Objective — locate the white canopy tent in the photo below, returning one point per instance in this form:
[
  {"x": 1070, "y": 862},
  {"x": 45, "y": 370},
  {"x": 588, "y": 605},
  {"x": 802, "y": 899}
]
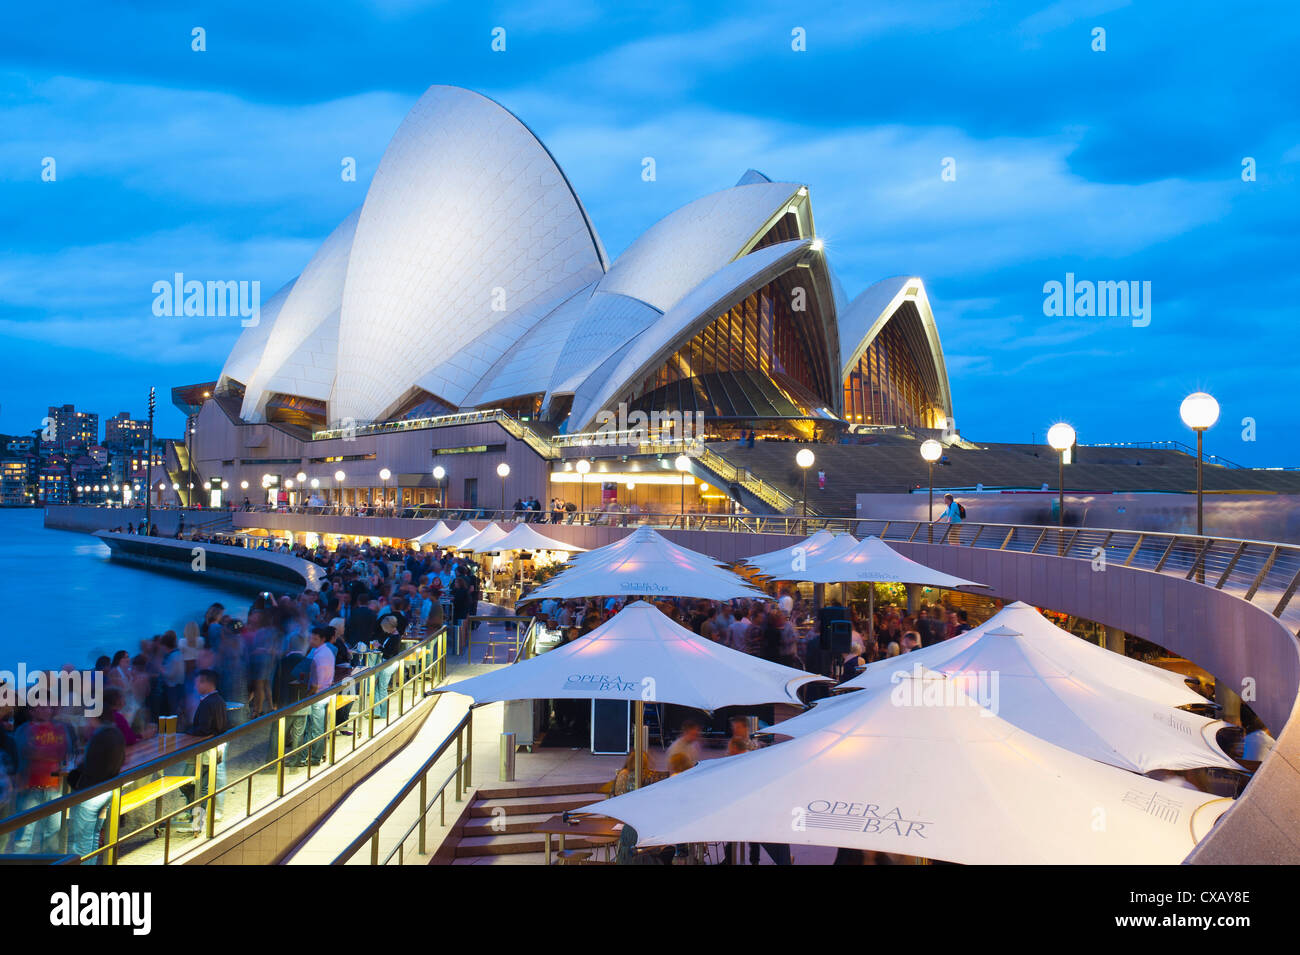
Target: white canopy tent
[
  {"x": 642, "y": 656},
  {"x": 484, "y": 540},
  {"x": 646, "y": 564},
  {"x": 523, "y": 537},
  {"x": 1006, "y": 672},
  {"x": 941, "y": 780},
  {"x": 465, "y": 531},
  {"x": 1085, "y": 662},
  {"x": 436, "y": 534}
]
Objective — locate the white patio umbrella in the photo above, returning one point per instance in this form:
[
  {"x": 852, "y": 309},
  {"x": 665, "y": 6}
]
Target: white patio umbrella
[
  {"x": 1008, "y": 674},
  {"x": 642, "y": 656},
  {"x": 434, "y": 535},
  {"x": 483, "y": 541},
  {"x": 872, "y": 560},
  {"x": 523, "y": 537},
  {"x": 942, "y": 780},
  {"x": 790, "y": 563},
  {"x": 463, "y": 532},
  {"x": 647, "y": 564},
  {"x": 1086, "y": 662}
]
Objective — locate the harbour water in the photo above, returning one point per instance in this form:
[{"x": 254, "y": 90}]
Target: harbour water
[{"x": 64, "y": 601}]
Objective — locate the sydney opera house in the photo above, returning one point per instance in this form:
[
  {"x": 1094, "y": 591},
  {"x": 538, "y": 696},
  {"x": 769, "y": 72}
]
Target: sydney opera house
[{"x": 471, "y": 278}]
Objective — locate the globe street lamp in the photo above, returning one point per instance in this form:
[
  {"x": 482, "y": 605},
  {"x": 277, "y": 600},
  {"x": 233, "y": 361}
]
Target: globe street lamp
[
  {"x": 1199, "y": 412},
  {"x": 683, "y": 464},
  {"x": 931, "y": 451},
  {"x": 805, "y": 460},
  {"x": 1061, "y": 437},
  {"x": 503, "y": 471},
  {"x": 439, "y": 473},
  {"x": 338, "y": 485},
  {"x": 384, "y": 475},
  {"x": 583, "y": 466}
]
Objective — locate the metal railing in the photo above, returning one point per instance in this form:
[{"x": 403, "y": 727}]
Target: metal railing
[
  {"x": 458, "y": 776},
  {"x": 287, "y": 736},
  {"x": 1263, "y": 573}
]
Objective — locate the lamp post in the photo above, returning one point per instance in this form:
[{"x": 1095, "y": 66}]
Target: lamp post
[
  {"x": 805, "y": 460},
  {"x": 1199, "y": 412},
  {"x": 338, "y": 485},
  {"x": 148, "y": 460},
  {"x": 1061, "y": 437},
  {"x": 582, "y": 467},
  {"x": 384, "y": 475},
  {"x": 931, "y": 451},
  {"x": 439, "y": 473},
  {"x": 503, "y": 472},
  {"x": 683, "y": 464}
]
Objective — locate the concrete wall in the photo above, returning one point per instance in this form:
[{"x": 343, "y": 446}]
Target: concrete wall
[
  {"x": 409, "y": 455},
  {"x": 1272, "y": 517},
  {"x": 87, "y": 520}
]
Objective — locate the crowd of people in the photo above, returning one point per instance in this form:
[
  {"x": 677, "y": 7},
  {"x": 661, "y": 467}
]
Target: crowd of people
[{"x": 226, "y": 668}]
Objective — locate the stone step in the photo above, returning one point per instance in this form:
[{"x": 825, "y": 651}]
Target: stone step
[
  {"x": 536, "y": 789},
  {"x": 524, "y": 805},
  {"x": 511, "y": 823},
  {"x": 514, "y": 843}
]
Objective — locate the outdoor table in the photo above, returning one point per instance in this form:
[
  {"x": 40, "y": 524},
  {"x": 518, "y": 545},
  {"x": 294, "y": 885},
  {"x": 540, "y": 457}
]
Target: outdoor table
[
  {"x": 137, "y": 754},
  {"x": 598, "y": 828}
]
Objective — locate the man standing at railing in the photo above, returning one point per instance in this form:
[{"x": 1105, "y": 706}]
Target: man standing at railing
[
  {"x": 210, "y": 719},
  {"x": 105, "y": 754},
  {"x": 322, "y": 678}
]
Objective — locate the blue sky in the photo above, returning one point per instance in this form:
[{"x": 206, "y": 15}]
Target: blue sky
[{"x": 1117, "y": 165}]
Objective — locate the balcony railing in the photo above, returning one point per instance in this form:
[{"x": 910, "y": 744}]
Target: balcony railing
[{"x": 261, "y": 755}]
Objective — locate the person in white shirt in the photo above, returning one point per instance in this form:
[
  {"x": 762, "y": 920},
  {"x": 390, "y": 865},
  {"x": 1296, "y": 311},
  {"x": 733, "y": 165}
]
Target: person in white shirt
[
  {"x": 786, "y": 603},
  {"x": 322, "y": 677}
]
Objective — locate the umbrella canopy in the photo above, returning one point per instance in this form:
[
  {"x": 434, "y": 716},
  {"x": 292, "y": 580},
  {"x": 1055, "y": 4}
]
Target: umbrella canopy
[
  {"x": 462, "y": 533},
  {"x": 1086, "y": 663},
  {"x": 640, "y": 654},
  {"x": 1006, "y": 673},
  {"x": 484, "y": 540},
  {"x": 942, "y": 780},
  {"x": 789, "y": 562},
  {"x": 523, "y": 537},
  {"x": 872, "y": 560},
  {"x": 645, "y": 563},
  {"x": 434, "y": 535}
]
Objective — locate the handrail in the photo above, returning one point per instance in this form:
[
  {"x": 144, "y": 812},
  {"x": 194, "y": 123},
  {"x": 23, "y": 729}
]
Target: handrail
[
  {"x": 429, "y": 653},
  {"x": 459, "y": 773},
  {"x": 524, "y": 650}
]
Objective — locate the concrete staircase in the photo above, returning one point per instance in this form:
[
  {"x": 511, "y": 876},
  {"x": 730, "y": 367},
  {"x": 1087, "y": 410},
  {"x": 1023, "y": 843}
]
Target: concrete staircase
[{"x": 499, "y": 830}]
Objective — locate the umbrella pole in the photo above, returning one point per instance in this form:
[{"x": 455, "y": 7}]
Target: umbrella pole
[
  {"x": 871, "y": 613},
  {"x": 638, "y": 754}
]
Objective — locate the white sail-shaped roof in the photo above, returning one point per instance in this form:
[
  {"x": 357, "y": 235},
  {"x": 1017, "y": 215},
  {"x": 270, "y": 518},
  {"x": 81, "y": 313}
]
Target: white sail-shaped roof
[
  {"x": 699, "y": 307},
  {"x": 296, "y": 360},
  {"x": 684, "y": 248},
  {"x": 467, "y": 221},
  {"x": 243, "y": 358}
]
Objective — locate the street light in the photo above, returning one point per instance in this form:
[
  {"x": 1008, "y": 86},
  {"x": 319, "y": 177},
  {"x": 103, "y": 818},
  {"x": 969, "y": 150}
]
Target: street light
[
  {"x": 931, "y": 451},
  {"x": 1061, "y": 437},
  {"x": 583, "y": 466},
  {"x": 805, "y": 460},
  {"x": 338, "y": 485},
  {"x": 503, "y": 471},
  {"x": 1199, "y": 412},
  {"x": 384, "y": 475},
  {"x": 683, "y": 464},
  {"x": 439, "y": 473}
]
